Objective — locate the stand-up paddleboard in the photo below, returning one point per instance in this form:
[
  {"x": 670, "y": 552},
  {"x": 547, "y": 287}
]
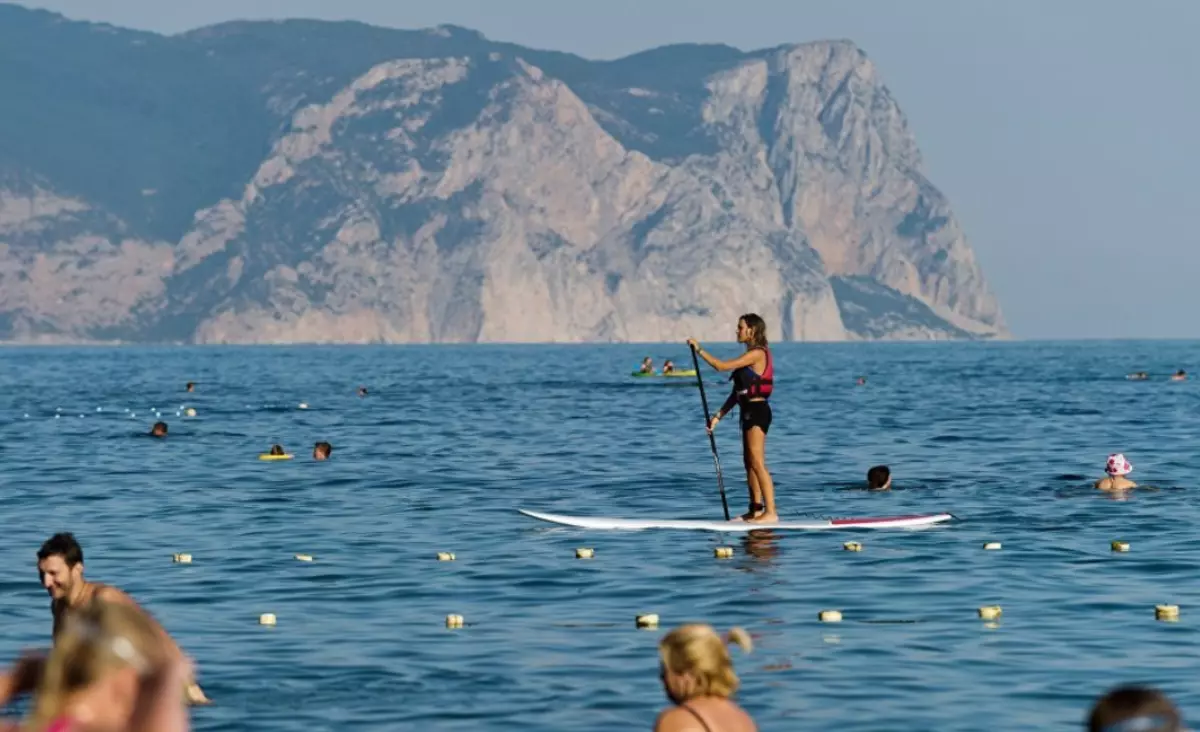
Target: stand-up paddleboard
[{"x": 622, "y": 524}]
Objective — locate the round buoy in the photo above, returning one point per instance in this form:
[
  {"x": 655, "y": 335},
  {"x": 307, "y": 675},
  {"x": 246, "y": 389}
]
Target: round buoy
[
  {"x": 182, "y": 558},
  {"x": 647, "y": 621},
  {"x": 304, "y": 558},
  {"x": 454, "y": 621},
  {"x": 723, "y": 552},
  {"x": 584, "y": 553},
  {"x": 445, "y": 556},
  {"x": 830, "y": 616},
  {"x": 992, "y": 546},
  {"x": 852, "y": 546},
  {"x": 990, "y": 612},
  {"x": 266, "y": 619},
  {"x": 1120, "y": 546}
]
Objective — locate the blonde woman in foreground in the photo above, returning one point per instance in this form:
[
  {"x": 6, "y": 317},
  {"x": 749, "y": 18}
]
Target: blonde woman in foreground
[
  {"x": 108, "y": 673},
  {"x": 697, "y": 675}
]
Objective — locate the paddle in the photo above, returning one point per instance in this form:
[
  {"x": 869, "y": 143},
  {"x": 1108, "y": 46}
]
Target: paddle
[{"x": 712, "y": 441}]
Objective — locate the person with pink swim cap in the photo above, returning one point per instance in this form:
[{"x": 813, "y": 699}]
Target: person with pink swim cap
[{"x": 1117, "y": 468}]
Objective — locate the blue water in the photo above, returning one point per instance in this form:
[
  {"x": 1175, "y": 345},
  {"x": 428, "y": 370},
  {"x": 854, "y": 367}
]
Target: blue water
[{"x": 451, "y": 440}]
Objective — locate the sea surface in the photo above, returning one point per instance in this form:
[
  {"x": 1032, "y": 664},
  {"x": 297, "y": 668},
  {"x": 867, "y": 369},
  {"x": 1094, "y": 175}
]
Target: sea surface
[{"x": 451, "y": 440}]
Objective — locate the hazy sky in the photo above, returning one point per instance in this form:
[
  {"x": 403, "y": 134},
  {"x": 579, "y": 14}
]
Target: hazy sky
[{"x": 1063, "y": 131}]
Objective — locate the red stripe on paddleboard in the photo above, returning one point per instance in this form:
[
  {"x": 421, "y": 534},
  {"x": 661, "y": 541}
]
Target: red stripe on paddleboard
[{"x": 884, "y": 519}]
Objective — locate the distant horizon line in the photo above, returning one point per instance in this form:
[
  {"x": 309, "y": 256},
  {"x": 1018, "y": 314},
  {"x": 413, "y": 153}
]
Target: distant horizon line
[{"x": 310, "y": 344}]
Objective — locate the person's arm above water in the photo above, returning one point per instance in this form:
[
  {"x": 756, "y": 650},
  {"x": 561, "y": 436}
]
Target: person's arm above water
[
  {"x": 748, "y": 358},
  {"x": 195, "y": 694}
]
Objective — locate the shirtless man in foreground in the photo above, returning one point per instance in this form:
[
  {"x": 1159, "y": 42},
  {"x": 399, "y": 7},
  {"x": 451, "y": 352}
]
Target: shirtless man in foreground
[{"x": 60, "y": 565}]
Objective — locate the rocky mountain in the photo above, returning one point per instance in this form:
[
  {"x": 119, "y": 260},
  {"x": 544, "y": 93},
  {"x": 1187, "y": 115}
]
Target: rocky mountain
[{"x": 304, "y": 181}]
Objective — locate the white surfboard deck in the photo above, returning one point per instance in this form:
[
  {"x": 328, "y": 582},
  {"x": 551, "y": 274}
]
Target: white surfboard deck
[{"x": 623, "y": 524}]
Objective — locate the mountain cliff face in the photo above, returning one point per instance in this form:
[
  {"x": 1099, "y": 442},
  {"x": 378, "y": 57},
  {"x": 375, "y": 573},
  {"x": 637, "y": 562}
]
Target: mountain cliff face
[{"x": 231, "y": 185}]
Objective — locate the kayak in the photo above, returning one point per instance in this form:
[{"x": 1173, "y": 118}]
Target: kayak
[{"x": 690, "y": 373}]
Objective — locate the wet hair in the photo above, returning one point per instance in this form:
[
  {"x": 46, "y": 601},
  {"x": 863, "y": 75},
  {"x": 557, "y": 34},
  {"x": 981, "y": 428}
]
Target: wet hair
[
  {"x": 97, "y": 639},
  {"x": 191, "y": 385},
  {"x": 758, "y": 329},
  {"x": 163, "y": 425},
  {"x": 877, "y": 477},
  {"x": 324, "y": 447},
  {"x": 696, "y": 649},
  {"x": 277, "y": 450},
  {"x": 63, "y": 545},
  {"x": 1134, "y": 708}
]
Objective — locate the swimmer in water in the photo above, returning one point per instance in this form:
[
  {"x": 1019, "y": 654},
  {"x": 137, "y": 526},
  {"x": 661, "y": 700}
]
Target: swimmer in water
[
  {"x": 647, "y": 366},
  {"x": 362, "y": 391},
  {"x": 191, "y": 386},
  {"x": 322, "y": 450},
  {"x": 753, "y": 381},
  {"x": 1116, "y": 468},
  {"x": 60, "y": 566},
  {"x": 277, "y": 450},
  {"x": 697, "y": 675},
  {"x": 1128, "y": 708},
  {"x": 879, "y": 478},
  {"x": 159, "y": 429},
  {"x": 1179, "y": 375}
]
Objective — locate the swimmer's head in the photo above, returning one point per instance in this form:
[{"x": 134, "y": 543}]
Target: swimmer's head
[
  {"x": 277, "y": 450},
  {"x": 60, "y": 565},
  {"x": 1117, "y": 465},
  {"x": 191, "y": 386},
  {"x": 101, "y": 659},
  {"x": 1134, "y": 709},
  {"x": 694, "y": 661},
  {"x": 879, "y": 478},
  {"x": 322, "y": 450},
  {"x": 159, "y": 429},
  {"x": 362, "y": 391}
]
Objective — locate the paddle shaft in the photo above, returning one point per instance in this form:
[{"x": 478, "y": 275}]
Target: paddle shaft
[{"x": 712, "y": 441}]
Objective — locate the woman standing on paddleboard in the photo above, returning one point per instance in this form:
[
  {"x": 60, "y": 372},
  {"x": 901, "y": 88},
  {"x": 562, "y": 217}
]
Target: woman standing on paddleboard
[{"x": 753, "y": 378}]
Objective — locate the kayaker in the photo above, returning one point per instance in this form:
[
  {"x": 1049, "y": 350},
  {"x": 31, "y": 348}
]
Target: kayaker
[
  {"x": 647, "y": 366},
  {"x": 753, "y": 380},
  {"x": 668, "y": 366}
]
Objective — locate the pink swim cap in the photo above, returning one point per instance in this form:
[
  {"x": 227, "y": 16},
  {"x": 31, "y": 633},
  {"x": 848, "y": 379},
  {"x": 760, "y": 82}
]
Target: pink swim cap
[{"x": 1118, "y": 465}]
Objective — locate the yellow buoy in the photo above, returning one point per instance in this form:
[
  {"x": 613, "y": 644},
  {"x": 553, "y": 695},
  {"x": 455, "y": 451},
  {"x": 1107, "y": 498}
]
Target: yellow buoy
[
  {"x": 647, "y": 621},
  {"x": 990, "y": 612},
  {"x": 182, "y": 558},
  {"x": 266, "y": 619},
  {"x": 266, "y": 456},
  {"x": 992, "y": 545},
  {"x": 190, "y": 412},
  {"x": 1120, "y": 546},
  {"x": 445, "y": 556},
  {"x": 1166, "y": 612},
  {"x": 852, "y": 546},
  {"x": 454, "y": 621},
  {"x": 830, "y": 616},
  {"x": 584, "y": 553},
  {"x": 723, "y": 552},
  {"x": 304, "y": 558}
]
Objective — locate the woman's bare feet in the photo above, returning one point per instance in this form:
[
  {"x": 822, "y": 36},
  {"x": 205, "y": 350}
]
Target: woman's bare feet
[{"x": 765, "y": 518}]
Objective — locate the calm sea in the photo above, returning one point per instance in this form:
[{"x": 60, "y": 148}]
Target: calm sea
[{"x": 451, "y": 440}]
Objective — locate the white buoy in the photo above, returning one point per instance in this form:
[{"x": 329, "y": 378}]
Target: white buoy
[
  {"x": 266, "y": 619},
  {"x": 647, "y": 621}
]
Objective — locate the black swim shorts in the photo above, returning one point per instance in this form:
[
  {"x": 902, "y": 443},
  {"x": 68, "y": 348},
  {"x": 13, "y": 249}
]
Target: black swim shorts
[{"x": 756, "y": 414}]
